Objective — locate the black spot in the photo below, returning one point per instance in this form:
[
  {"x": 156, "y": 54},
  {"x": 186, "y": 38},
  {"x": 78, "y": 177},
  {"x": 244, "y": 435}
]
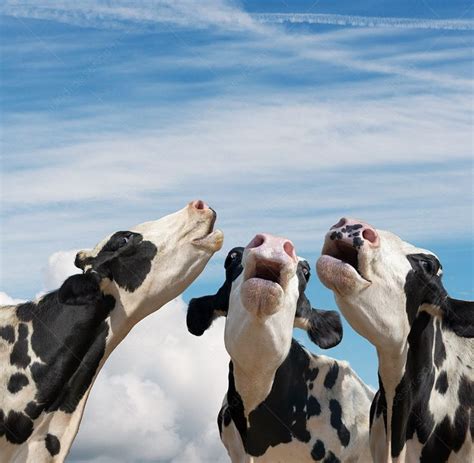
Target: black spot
[
  {"x": 313, "y": 407},
  {"x": 331, "y": 376},
  {"x": 379, "y": 405},
  {"x": 357, "y": 242},
  {"x": 351, "y": 228},
  {"x": 52, "y": 444},
  {"x": 336, "y": 235},
  {"x": 336, "y": 422},
  {"x": 312, "y": 374},
  {"x": 441, "y": 384},
  {"x": 69, "y": 340},
  {"x": 17, "y": 382},
  {"x": 318, "y": 451},
  {"x": 126, "y": 258},
  {"x": 19, "y": 355},
  {"x": 16, "y": 427},
  {"x": 33, "y": 409},
  {"x": 8, "y": 333},
  {"x": 331, "y": 458}
]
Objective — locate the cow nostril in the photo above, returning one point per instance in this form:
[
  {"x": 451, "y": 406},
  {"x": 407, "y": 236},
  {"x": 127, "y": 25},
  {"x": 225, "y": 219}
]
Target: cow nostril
[
  {"x": 341, "y": 223},
  {"x": 256, "y": 242},
  {"x": 198, "y": 204},
  {"x": 370, "y": 235},
  {"x": 289, "y": 248}
]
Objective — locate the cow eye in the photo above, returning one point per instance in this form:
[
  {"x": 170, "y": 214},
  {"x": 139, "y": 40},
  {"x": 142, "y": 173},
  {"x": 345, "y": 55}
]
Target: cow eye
[
  {"x": 233, "y": 255},
  {"x": 428, "y": 266},
  {"x": 124, "y": 240}
]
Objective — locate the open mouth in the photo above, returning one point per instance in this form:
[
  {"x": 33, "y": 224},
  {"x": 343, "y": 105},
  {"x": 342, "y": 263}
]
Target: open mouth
[
  {"x": 213, "y": 239},
  {"x": 268, "y": 270},
  {"x": 345, "y": 253}
]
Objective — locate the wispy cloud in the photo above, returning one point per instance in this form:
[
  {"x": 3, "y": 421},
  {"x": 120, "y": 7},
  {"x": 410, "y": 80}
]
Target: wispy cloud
[
  {"x": 122, "y": 14},
  {"x": 365, "y": 21}
]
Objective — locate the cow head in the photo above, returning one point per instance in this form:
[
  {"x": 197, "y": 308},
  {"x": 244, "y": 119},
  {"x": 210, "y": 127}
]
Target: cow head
[
  {"x": 264, "y": 289},
  {"x": 381, "y": 283},
  {"x": 150, "y": 264}
]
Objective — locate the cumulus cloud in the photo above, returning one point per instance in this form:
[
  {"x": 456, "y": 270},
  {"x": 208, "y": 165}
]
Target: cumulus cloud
[
  {"x": 5, "y": 299},
  {"x": 158, "y": 395},
  {"x": 60, "y": 265}
]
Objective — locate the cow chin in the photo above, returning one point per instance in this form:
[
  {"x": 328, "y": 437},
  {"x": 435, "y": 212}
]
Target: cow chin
[
  {"x": 261, "y": 297},
  {"x": 339, "y": 276}
]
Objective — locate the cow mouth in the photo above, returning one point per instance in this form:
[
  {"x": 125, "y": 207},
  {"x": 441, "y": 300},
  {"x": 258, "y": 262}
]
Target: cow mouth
[
  {"x": 344, "y": 257},
  {"x": 213, "y": 239},
  {"x": 262, "y": 289},
  {"x": 346, "y": 254},
  {"x": 269, "y": 271}
]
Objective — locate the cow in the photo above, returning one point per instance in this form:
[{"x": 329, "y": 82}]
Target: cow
[
  {"x": 392, "y": 294},
  {"x": 283, "y": 403},
  {"x": 52, "y": 349}
]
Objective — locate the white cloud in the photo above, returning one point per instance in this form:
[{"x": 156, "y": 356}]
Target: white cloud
[
  {"x": 365, "y": 21},
  {"x": 122, "y": 14},
  {"x": 158, "y": 395},
  {"x": 5, "y": 299},
  {"x": 60, "y": 266}
]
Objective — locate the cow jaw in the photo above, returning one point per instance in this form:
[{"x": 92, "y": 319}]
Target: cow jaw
[
  {"x": 265, "y": 281},
  {"x": 369, "y": 286},
  {"x": 170, "y": 253}
]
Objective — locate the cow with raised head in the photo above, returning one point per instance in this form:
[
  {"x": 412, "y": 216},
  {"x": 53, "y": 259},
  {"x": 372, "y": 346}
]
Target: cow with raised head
[
  {"x": 283, "y": 403},
  {"x": 52, "y": 349},
  {"x": 392, "y": 294}
]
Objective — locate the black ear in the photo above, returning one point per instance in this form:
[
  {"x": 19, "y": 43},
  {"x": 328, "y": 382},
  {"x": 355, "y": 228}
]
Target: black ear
[
  {"x": 80, "y": 289},
  {"x": 202, "y": 311},
  {"x": 459, "y": 316},
  {"x": 324, "y": 327}
]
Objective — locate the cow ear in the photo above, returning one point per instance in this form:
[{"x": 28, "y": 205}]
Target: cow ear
[
  {"x": 202, "y": 311},
  {"x": 459, "y": 316},
  {"x": 324, "y": 327},
  {"x": 83, "y": 289},
  {"x": 82, "y": 259},
  {"x": 201, "y": 314}
]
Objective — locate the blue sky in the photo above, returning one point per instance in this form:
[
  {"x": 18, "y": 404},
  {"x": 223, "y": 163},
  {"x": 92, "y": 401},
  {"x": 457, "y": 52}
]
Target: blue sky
[{"x": 113, "y": 115}]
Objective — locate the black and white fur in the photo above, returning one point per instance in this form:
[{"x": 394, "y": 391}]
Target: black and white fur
[
  {"x": 283, "y": 403},
  {"x": 391, "y": 292},
  {"x": 52, "y": 349}
]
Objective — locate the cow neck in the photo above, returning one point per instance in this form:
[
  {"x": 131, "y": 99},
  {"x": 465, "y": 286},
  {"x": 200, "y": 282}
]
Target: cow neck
[
  {"x": 126, "y": 314},
  {"x": 406, "y": 374},
  {"x": 391, "y": 369},
  {"x": 258, "y": 353}
]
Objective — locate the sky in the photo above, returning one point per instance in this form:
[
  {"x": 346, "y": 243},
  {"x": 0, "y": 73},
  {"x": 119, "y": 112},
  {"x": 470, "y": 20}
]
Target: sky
[{"x": 283, "y": 116}]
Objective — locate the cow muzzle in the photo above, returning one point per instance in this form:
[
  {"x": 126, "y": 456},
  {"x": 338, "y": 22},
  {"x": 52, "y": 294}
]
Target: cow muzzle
[
  {"x": 344, "y": 254},
  {"x": 269, "y": 264}
]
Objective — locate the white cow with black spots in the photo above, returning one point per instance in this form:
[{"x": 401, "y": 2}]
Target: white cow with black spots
[
  {"x": 51, "y": 350},
  {"x": 283, "y": 403},
  {"x": 391, "y": 293}
]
